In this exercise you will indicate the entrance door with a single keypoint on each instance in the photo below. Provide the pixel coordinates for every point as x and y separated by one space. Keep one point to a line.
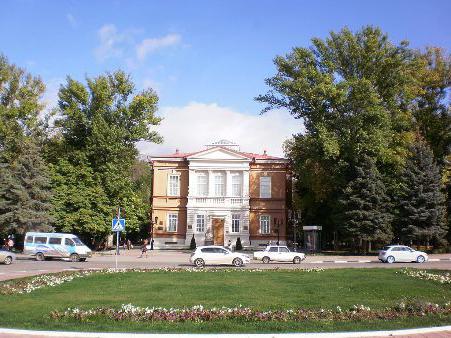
218 231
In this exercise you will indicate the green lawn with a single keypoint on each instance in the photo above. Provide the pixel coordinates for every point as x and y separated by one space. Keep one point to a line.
376 288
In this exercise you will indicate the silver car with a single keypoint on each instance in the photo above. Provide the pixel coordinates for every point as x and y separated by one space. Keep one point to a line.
7 257
401 253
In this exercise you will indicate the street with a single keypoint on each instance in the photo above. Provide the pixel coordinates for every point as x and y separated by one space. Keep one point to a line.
27 266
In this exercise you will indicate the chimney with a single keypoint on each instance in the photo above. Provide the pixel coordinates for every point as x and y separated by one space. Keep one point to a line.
264 152
177 151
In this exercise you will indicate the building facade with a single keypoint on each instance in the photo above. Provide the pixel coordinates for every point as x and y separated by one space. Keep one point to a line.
220 194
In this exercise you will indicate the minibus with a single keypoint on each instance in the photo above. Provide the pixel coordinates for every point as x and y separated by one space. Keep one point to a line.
44 245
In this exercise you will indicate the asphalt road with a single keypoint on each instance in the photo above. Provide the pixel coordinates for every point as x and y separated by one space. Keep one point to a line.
26 266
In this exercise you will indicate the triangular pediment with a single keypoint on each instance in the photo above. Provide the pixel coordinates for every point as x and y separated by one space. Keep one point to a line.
218 153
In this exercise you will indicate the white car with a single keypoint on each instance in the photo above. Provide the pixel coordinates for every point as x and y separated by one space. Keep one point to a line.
217 255
401 253
279 253
7 257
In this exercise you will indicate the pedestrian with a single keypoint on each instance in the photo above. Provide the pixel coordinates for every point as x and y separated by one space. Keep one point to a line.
144 249
10 244
229 245
129 244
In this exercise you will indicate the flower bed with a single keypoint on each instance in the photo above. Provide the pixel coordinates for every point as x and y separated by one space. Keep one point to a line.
20 286
421 274
200 314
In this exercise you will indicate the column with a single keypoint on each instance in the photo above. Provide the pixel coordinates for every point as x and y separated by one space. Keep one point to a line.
211 184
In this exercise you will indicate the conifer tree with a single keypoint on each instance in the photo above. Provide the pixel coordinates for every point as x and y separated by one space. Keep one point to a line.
422 211
365 206
25 191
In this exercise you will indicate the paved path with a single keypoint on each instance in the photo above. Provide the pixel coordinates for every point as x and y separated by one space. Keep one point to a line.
26 266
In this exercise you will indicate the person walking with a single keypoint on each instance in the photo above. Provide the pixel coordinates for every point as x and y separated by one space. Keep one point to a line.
10 244
144 249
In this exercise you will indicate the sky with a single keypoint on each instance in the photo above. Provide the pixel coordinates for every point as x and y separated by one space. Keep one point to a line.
207 60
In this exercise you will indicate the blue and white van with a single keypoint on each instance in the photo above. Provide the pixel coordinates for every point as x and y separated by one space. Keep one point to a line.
44 245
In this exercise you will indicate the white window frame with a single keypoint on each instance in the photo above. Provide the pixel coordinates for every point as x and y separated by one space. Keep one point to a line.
265 186
236 223
265 221
205 176
222 185
177 188
171 218
237 176
200 226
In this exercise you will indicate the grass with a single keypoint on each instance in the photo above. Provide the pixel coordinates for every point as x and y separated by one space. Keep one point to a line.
376 288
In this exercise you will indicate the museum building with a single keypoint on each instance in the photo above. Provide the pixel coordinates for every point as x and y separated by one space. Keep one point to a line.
219 194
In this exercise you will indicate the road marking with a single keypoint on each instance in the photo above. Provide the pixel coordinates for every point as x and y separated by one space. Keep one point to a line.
70 269
434 259
340 261
364 261
317 262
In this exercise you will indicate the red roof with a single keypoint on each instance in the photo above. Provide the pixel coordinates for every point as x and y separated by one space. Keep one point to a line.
248 155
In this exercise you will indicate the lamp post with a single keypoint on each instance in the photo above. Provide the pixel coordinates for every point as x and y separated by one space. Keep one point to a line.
276 227
152 224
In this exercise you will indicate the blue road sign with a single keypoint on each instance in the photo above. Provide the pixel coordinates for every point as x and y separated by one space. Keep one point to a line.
118 224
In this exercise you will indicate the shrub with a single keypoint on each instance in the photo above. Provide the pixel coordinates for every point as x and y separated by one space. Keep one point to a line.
192 245
238 245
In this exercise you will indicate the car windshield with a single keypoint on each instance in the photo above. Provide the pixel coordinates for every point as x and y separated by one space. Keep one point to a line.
77 241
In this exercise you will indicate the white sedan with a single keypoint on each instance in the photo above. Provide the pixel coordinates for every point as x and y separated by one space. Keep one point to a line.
217 255
401 253
279 253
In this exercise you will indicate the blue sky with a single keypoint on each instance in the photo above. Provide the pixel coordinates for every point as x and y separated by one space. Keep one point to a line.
209 57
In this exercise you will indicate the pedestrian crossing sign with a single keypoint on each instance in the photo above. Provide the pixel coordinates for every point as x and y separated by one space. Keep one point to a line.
118 224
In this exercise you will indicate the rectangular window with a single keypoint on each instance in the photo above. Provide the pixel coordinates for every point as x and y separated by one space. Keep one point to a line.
264 224
200 223
172 222
40 240
235 223
174 185
29 239
202 184
219 184
265 187
236 185
55 240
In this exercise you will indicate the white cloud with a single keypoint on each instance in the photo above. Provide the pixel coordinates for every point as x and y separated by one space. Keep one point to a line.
150 45
190 127
110 42
72 21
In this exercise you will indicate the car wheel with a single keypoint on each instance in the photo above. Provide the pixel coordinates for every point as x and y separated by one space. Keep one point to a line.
297 260
420 259
74 258
199 262
40 256
237 262
390 259
8 260
265 260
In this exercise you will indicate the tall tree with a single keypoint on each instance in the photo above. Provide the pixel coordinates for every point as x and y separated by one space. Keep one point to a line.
25 191
366 213
20 93
98 126
431 109
353 92
422 217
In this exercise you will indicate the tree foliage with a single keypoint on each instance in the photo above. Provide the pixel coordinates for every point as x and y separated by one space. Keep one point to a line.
421 201
357 94
25 192
366 206
98 125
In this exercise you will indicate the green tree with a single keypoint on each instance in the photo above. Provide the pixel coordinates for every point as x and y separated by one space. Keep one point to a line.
98 126
20 93
422 216
25 191
354 93
366 209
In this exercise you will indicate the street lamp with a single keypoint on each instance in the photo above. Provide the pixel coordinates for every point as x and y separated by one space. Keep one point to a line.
276 227
151 231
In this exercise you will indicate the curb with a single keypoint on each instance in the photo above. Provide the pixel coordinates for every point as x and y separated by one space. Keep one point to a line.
387 333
